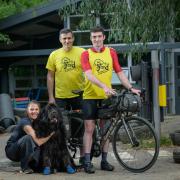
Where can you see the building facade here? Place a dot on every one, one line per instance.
(35, 34)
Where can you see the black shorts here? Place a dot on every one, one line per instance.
(90, 107)
(69, 103)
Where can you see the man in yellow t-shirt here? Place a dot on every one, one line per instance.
(65, 73)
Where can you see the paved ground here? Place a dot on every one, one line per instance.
(164, 168)
(170, 124)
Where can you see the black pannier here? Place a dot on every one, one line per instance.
(129, 102)
(123, 101)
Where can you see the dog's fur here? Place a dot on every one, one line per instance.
(54, 152)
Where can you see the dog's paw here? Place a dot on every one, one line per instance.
(47, 170)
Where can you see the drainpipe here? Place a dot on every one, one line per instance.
(155, 84)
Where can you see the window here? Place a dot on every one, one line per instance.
(103, 22)
(41, 70)
(42, 82)
(82, 38)
(123, 60)
(32, 74)
(75, 22)
(23, 70)
(22, 83)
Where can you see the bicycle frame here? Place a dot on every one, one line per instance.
(114, 121)
(99, 139)
(110, 130)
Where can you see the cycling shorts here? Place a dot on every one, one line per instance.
(90, 107)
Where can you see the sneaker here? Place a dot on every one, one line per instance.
(28, 171)
(47, 171)
(88, 168)
(106, 166)
(70, 170)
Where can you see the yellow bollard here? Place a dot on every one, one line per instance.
(162, 96)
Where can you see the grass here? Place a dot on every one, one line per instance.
(165, 141)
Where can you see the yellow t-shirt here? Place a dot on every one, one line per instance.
(68, 71)
(102, 66)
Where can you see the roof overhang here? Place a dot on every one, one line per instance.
(32, 14)
(35, 28)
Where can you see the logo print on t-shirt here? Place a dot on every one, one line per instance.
(101, 66)
(68, 64)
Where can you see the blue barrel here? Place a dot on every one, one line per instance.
(6, 111)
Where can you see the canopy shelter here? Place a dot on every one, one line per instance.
(35, 32)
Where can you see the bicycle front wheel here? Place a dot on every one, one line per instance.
(135, 144)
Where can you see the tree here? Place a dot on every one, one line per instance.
(131, 21)
(11, 7)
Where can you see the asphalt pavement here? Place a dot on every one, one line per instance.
(164, 169)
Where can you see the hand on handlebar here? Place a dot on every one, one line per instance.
(136, 91)
(109, 91)
(139, 92)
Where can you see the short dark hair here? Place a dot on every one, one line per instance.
(97, 29)
(65, 31)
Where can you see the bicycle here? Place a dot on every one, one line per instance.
(134, 141)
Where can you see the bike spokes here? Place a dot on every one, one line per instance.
(135, 144)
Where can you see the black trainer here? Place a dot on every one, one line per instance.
(106, 166)
(27, 171)
(88, 168)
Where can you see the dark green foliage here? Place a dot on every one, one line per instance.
(131, 21)
(12, 7)
(5, 38)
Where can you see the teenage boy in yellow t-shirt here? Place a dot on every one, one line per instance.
(98, 63)
(65, 74)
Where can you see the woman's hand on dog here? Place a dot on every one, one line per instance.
(39, 141)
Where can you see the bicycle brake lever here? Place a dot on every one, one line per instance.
(142, 93)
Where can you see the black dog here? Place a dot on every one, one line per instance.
(54, 153)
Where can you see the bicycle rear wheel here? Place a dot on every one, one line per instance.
(139, 152)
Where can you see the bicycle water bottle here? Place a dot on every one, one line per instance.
(67, 124)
